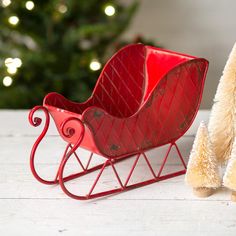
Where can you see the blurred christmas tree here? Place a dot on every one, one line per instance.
(56, 45)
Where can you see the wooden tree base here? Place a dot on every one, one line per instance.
(233, 196)
(202, 192)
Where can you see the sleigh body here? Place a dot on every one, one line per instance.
(144, 98)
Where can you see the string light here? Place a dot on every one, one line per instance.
(29, 5)
(13, 20)
(7, 81)
(110, 10)
(12, 70)
(12, 64)
(62, 8)
(8, 61)
(6, 3)
(95, 65)
(17, 62)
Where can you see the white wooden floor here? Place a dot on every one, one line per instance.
(165, 208)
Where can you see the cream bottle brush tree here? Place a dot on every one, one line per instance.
(221, 124)
(202, 172)
(229, 179)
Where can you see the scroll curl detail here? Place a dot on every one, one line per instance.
(70, 131)
(36, 121)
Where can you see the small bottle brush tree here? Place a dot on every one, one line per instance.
(229, 179)
(221, 123)
(202, 172)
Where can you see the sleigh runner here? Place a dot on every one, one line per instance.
(145, 98)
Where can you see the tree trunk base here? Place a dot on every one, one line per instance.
(203, 192)
(233, 196)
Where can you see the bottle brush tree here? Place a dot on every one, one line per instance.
(221, 124)
(229, 179)
(202, 171)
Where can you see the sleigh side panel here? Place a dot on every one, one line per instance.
(164, 117)
(71, 131)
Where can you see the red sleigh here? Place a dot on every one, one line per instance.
(144, 98)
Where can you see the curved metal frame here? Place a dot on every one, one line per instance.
(36, 121)
(123, 186)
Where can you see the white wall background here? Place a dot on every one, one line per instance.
(204, 28)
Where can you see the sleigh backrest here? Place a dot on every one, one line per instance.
(120, 87)
(129, 77)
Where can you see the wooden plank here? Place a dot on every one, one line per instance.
(15, 123)
(117, 217)
(52, 148)
(17, 179)
(17, 182)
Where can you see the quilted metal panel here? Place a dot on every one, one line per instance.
(120, 87)
(163, 118)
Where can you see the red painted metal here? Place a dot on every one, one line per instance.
(144, 98)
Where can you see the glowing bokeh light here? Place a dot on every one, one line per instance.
(6, 3)
(13, 20)
(7, 81)
(62, 8)
(110, 10)
(95, 65)
(29, 5)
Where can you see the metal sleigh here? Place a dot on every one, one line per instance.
(144, 98)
